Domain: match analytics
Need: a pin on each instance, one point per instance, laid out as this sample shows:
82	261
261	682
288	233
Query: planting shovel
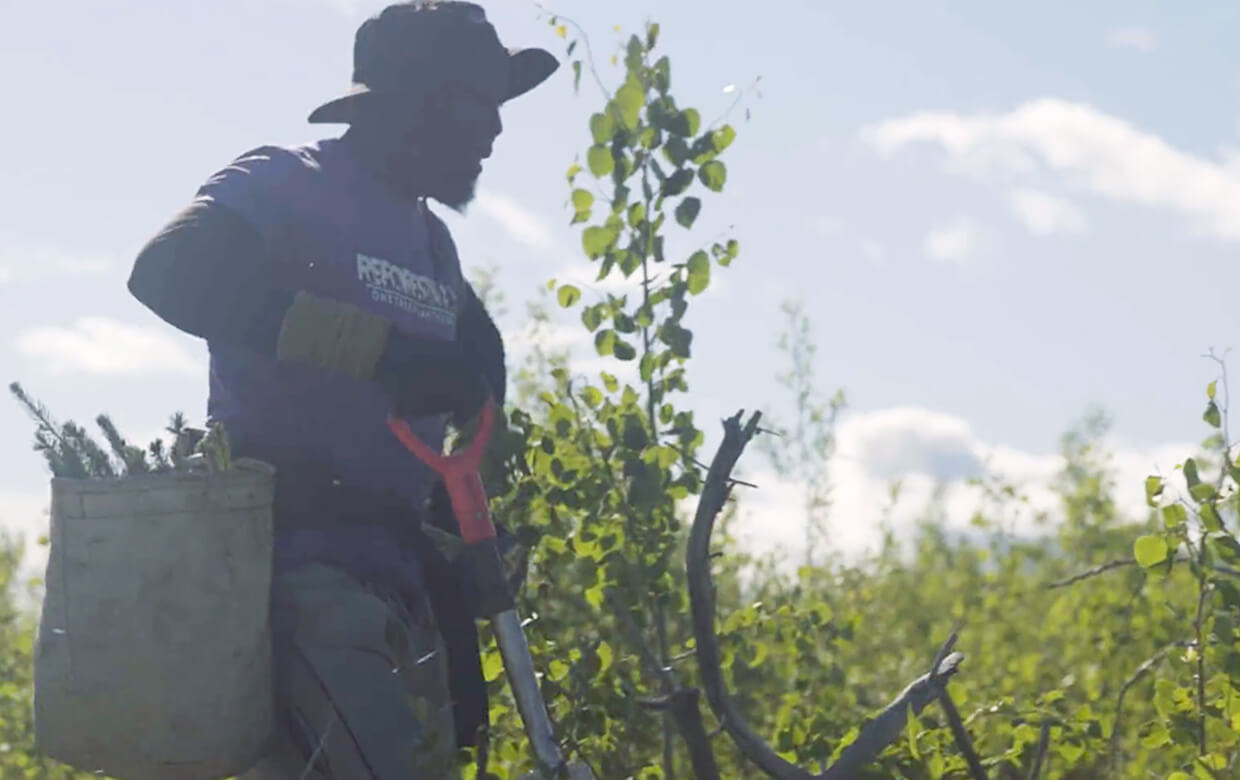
461	477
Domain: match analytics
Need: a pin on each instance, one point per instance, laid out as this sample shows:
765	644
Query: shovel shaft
469	504
524	683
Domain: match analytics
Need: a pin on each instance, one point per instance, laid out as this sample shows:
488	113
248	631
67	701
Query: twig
680	702
1044	740
1123	562
961	735
585	39
1094	572
1203	589
1136	676
683	706
875	735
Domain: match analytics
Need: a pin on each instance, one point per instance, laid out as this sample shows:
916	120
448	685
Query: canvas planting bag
153	654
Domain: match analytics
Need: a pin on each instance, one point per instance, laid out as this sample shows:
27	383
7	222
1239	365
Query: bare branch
1136	676
1120	563
885	729
1094	572
680	702
962	736
715	493
586	40
1044	740
876	734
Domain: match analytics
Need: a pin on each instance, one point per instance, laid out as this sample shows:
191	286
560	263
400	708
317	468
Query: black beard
456	195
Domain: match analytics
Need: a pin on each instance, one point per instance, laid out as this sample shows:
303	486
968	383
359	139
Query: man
330	295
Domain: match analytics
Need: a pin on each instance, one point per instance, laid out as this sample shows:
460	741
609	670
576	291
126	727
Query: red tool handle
460	474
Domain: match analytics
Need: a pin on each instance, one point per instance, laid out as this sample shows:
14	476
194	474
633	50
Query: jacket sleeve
482	344
207	273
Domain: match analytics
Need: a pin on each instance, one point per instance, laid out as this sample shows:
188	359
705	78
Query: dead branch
876	734
683	705
681	702
961	734
1044	741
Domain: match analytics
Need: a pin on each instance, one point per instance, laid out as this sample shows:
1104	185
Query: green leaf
576	75
568	295
595	241
677	338
629	100
699	272
652	34
609	381
592	317
687	211
1174	516
624	351
1202	491
602	127
713	174
1210	517
1157	736
637	214
557	670
571	173
722	138
685	123
678	182
492	666
1212	415
634	56
594	596
591	396
582	199
1150	550
1153	489
1210	388
727	253
1190	472
605	342
634	437
600	160
662	72
605	656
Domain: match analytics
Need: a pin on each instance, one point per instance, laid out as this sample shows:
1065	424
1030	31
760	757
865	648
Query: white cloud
1092	150
98	345
522	224
921	449
954	243
1140	39
1045	214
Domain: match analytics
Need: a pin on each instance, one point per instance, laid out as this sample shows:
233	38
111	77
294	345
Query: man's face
445	151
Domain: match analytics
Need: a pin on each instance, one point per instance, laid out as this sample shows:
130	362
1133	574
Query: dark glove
426	377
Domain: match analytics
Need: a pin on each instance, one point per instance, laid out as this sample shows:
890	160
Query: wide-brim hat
412	47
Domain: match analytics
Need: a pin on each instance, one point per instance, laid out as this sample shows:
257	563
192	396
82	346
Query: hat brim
527	69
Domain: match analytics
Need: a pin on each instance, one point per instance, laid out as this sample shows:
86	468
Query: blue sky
995	214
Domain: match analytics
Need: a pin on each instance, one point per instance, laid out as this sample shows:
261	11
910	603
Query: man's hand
426	378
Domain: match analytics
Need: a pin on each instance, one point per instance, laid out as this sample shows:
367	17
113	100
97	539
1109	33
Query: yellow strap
336	336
